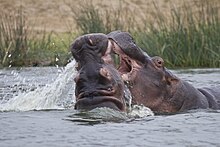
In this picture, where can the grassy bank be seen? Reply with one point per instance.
(185, 36)
(22, 45)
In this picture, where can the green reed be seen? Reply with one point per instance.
(13, 37)
(49, 48)
(90, 19)
(191, 37)
(188, 37)
(22, 45)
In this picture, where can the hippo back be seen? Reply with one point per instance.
(212, 94)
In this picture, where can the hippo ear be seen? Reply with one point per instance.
(105, 73)
(158, 61)
(170, 78)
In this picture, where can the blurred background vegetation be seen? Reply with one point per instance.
(38, 33)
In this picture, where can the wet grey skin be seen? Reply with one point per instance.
(98, 84)
(153, 85)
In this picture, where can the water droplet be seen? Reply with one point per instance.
(57, 59)
(9, 55)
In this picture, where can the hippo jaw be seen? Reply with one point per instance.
(104, 97)
(92, 102)
(101, 90)
(127, 67)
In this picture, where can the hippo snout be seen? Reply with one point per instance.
(99, 85)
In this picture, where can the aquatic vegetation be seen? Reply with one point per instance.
(186, 35)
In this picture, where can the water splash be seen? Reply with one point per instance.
(140, 111)
(98, 115)
(108, 114)
(51, 96)
(103, 114)
(128, 97)
(135, 111)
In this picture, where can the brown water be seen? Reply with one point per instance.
(36, 110)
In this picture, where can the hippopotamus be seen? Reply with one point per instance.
(153, 85)
(98, 83)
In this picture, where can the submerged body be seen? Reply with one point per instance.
(154, 86)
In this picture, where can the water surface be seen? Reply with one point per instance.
(37, 110)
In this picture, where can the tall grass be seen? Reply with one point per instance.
(13, 37)
(22, 45)
(185, 36)
(188, 37)
(91, 19)
(191, 37)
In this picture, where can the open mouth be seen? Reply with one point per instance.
(91, 102)
(123, 63)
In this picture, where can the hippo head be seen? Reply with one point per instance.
(98, 84)
(150, 83)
